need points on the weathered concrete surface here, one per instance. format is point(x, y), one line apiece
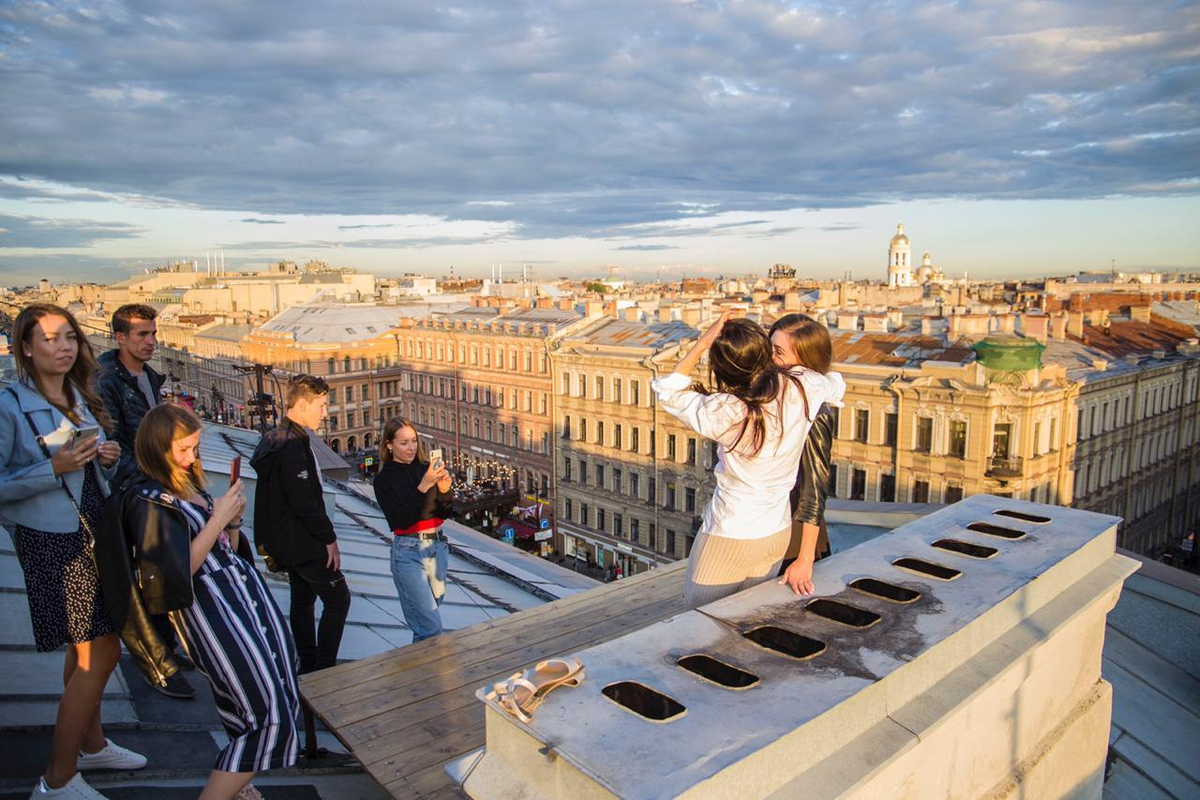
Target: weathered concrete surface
point(952, 695)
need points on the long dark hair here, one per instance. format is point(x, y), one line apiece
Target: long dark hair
point(78, 378)
point(390, 430)
point(740, 364)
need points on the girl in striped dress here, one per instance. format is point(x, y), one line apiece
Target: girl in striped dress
point(232, 628)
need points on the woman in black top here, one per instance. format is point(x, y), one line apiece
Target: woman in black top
point(415, 495)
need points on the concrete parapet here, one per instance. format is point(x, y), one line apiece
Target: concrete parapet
point(980, 680)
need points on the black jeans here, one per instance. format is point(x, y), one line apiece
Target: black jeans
point(318, 648)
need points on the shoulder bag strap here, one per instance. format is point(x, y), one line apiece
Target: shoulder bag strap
point(61, 481)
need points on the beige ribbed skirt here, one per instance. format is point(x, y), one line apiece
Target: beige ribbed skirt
point(720, 566)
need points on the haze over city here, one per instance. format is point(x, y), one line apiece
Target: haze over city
point(685, 137)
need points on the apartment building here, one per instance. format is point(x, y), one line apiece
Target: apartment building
point(631, 482)
point(354, 348)
point(478, 384)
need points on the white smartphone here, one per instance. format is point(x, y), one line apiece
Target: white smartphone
point(83, 434)
point(435, 458)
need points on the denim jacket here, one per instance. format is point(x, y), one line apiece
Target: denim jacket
point(30, 494)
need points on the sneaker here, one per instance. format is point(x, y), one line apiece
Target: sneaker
point(177, 686)
point(113, 756)
point(76, 788)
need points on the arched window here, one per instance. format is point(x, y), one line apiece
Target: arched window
point(351, 444)
point(335, 445)
point(366, 440)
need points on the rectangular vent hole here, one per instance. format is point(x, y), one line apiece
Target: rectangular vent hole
point(643, 701)
point(784, 641)
point(1034, 518)
point(718, 672)
point(996, 530)
point(965, 548)
point(843, 613)
point(886, 591)
point(927, 568)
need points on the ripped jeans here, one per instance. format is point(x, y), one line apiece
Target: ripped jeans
point(419, 570)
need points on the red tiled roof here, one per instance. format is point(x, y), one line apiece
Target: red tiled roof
point(1127, 338)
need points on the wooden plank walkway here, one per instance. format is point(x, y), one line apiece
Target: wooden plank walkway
point(406, 713)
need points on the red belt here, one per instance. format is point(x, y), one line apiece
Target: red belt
point(421, 527)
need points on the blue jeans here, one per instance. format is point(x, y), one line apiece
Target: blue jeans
point(419, 570)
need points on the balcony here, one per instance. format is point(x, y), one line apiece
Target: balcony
point(1009, 467)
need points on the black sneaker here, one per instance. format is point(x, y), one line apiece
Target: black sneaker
point(177, 686)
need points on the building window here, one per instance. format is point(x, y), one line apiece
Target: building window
point(891, 426)
point(858, 484)
point(635, 533)
point(617, 436)
point(670, 447)
point(954, 494)
point(582, 471)
point(583, 513)
point(691, 451)
point(349, 394)
point(566, 434)
point(862, 424)
point(1001, 437)
point(618, 525)
point(366, 391)
point(349, 419)
point(689, 500)
point(634, 388)
point(633, 483)
point(671, 496)
point(600, 519)
point(634, 435)
point(650, 490)
point(958, 438)
point(924, 434)
point(835, 422)
point(921, 492)
point(583, 386)
point(616, 480)
point(600, 432)
point(599, 387)
point(566, 383)
point(617, 397)
point(600, 476)
point(582, 429)
point(568, 510)
point(567, 475)
point(887, 488)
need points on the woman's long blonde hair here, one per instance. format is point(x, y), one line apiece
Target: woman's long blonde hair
point(389, 432)
point(162, 426)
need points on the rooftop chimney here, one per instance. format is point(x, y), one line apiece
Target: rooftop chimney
point(1075, 323)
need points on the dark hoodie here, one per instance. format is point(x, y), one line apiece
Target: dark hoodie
point(290, 522)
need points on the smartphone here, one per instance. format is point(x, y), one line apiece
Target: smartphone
point(235, 470)
point(83, 434)
point(435, 457)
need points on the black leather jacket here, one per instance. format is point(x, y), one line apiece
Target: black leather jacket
point(126, 404)
point(812, 480)
point(144, 560)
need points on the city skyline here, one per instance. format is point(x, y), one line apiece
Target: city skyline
point(683, 137)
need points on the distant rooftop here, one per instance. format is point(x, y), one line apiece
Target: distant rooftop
point(895, 349)
point(314, 324)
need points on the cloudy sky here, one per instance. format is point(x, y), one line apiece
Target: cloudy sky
point(668, 136)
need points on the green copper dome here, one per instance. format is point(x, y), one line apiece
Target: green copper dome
point(1009, 353)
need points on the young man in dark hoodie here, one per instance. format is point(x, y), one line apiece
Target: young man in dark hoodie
point(130, 387)
point(291, 526)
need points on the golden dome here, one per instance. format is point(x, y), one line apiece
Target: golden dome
point(899, 238)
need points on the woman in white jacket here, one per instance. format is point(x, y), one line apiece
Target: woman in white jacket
point(759, 416)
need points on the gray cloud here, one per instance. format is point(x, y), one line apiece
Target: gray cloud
point(572, 118)
point(648, 247)
point(39, 232)
point(256, 221)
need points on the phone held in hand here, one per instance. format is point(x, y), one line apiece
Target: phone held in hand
point(83, 434)
point(235, 470)
point(435, 458)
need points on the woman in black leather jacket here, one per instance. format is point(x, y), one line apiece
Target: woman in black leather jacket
point(799, 339)
point(184, 546)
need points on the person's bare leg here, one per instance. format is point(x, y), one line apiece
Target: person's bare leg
point(225, 785)
point(85, 673)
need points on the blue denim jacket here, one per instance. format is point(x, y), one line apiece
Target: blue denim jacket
point(30, 494)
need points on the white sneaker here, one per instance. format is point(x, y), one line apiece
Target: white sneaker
point(76, 788)
point(113, 756)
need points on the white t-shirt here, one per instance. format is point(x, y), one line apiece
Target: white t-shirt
point(751, 498)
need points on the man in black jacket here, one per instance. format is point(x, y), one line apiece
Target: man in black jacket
point(291, 526)
point(130, 388)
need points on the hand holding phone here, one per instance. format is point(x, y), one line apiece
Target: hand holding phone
point(435, 458)
point(235, 470)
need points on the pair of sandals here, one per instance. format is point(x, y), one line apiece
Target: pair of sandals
point(522, 693)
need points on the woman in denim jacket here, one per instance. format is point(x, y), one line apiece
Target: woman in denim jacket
point(52, 488)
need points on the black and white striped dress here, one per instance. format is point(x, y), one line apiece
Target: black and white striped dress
point(237, 636)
